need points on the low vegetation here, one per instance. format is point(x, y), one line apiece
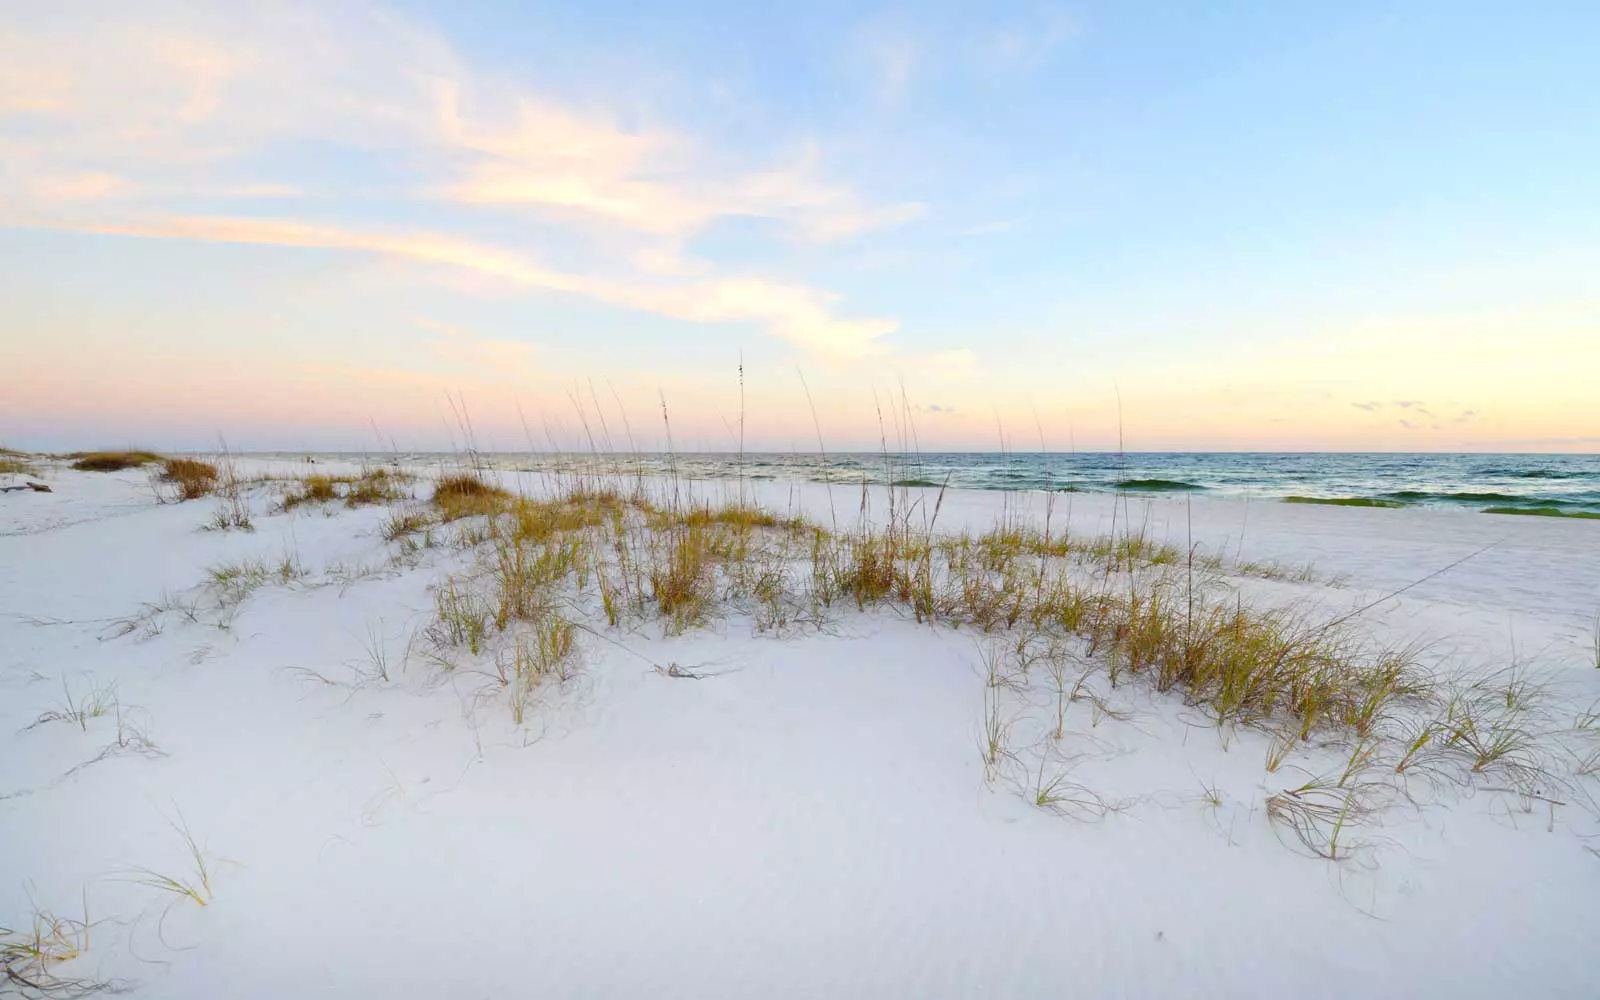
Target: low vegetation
point(28, 958)
point(111, 461)
point(18, 463)
point(1137, 605)
point(468, 494)
point(233, 500)
point(371, 486)
point(191, 477)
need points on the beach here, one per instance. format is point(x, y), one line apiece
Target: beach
point(242, 763)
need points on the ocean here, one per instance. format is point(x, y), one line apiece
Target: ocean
point(1566, 483)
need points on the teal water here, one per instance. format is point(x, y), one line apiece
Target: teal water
point(1568, 482)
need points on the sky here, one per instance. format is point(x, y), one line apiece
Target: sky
point(1169, 226)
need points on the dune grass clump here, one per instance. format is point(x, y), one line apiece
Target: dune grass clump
point(544, 653)
point(467, 495)
point(403, 523)
point(15, 463)
point(112, 461)
point(1133, 601)
point(1347, 502)
point(376, 486)
point(100, 700)
point(310, 490)
point(372, 486)
point(192, 477)
point(463, 617)
point(28, 956)
point(1278, 572)
point(1248, 665)
point(1124, 607)
point(681, 583)
point(234, 581)
point(233, 500)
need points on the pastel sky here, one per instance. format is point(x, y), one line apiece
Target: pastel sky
point(1279, 226)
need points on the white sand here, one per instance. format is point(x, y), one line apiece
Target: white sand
point(811, 821)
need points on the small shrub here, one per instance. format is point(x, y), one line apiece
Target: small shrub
point(233, 510)
point(465, 494)
point(311, 489)
point(405, 522)
point(375, 486)
point(112, 461)
point(193, 477)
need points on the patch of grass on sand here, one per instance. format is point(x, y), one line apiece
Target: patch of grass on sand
point(1346, 501)
point(465, 494)
point(193, 477)
point(312, 489)
point(26, 957)
point(15, 466)
point(374, 486)
point(111, 461)
point(1544, 512)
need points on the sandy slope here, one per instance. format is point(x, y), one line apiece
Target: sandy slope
point(810, 819)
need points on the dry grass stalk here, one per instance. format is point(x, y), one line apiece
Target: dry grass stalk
point(192, 477)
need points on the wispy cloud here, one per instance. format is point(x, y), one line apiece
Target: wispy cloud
point(118, 124)
point(793, 312)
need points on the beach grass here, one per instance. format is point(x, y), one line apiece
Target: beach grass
point(111, 461)
point(194, 884)
point(28, 957)
point(374, 485)
point(467, 494)
point(1133, 602)
point(310, 490)
point(192, 477)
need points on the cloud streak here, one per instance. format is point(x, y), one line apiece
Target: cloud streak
point(119, 124)
point(793, 312)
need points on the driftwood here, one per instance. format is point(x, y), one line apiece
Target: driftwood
point(35, 487)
